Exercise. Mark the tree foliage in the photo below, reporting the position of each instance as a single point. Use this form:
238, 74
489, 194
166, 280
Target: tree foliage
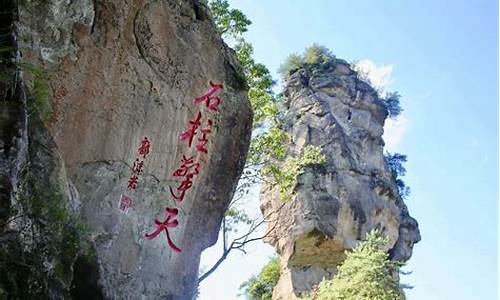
260, 83
395, 163
366, 274
318, 55
260, 287
314, 56
391, 102
231, 22
292, 63
268, 145
37, 83
286, 173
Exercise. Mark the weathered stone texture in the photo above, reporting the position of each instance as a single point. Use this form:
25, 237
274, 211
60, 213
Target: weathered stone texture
119, 71
338, 203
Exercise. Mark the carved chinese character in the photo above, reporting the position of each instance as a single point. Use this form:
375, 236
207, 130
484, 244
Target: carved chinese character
202, 141
211, 100
144, 147
132, 182
170, 221
190, 133
188, 169
186, 165
186, 184
138, 166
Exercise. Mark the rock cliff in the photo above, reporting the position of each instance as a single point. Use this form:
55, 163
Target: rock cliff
337, 203
116, 71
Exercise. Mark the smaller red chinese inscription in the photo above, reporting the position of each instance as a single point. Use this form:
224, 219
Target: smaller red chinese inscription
132, 182
138, 166
144, 147
125, 204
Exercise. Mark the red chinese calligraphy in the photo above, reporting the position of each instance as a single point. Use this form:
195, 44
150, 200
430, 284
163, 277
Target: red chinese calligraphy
185, 185
190, 133
138, 166
200, 147
188, 170
186, 165
170, 221
132, 182
144, 147
211, 100
125, 203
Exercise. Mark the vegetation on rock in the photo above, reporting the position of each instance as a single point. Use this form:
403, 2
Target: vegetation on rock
53, 237
391, 101
268, 158
39, 100
395, 163
314, 56
286, 174
267, 154
366, 274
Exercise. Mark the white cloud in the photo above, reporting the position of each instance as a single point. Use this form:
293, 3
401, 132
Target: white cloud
394, 131
378, 75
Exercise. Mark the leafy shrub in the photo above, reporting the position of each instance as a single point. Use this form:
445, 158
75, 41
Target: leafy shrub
366, 274
292, 63
285, 175
314, 55
395, 163
268, 146
232, 22
261, 287
391, 102
318, 55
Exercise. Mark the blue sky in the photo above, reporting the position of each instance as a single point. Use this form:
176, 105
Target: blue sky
442, 56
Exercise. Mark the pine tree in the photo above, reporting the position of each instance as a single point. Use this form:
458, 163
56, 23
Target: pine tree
366, 274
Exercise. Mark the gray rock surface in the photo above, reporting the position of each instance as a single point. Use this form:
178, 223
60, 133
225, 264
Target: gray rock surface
119, 71
336, 204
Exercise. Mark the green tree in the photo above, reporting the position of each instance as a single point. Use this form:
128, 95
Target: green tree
229, 22
260, 84
316, 56
292, 63
395, 163
392, 104
366, 274
269, 140
260, 287
286, 173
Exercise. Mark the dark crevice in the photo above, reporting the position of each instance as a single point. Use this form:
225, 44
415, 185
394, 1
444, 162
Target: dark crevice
198, 11
85, 284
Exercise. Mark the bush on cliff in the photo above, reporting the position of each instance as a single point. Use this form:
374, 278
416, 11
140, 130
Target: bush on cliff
366, 274
315, 55
261, 287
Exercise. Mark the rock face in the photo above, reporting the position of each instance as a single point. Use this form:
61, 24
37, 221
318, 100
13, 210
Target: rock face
118, 71
337, 203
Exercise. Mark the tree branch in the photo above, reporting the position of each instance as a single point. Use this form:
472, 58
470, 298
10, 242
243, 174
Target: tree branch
237, 244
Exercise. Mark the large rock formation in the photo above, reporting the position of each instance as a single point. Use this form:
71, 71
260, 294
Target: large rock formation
118, 71
337, 203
